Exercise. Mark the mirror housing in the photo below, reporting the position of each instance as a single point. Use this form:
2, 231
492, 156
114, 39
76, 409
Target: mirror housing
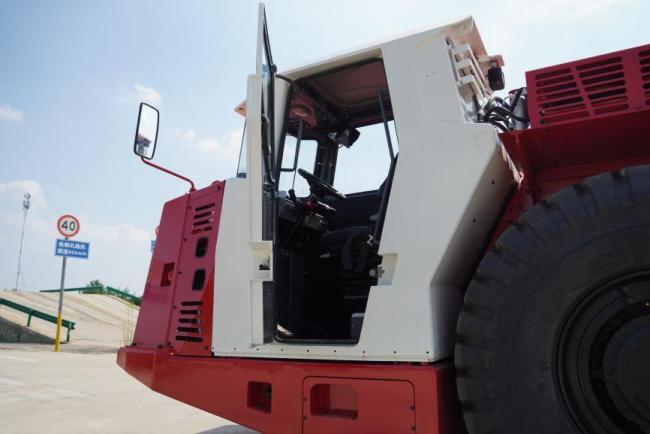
346, 137
146, 133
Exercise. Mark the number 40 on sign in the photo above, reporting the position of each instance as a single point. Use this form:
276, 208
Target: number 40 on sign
68, 225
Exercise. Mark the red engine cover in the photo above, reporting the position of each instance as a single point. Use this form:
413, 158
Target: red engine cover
617, 82
178, 295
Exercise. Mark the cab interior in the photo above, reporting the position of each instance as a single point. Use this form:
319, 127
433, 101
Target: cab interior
338, 154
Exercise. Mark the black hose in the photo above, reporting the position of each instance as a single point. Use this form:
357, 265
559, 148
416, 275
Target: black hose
506, 112
515, 99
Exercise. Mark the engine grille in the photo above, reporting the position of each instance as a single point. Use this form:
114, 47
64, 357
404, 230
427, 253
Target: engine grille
588, 88
644, 61
202, 218
189, 326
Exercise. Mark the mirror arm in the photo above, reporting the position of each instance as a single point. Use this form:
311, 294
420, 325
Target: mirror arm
192, 188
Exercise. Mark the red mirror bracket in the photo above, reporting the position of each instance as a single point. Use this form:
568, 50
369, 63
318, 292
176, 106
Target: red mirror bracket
192, 188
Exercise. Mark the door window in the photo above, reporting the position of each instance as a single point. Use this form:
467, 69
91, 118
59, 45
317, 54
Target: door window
306, 159
364, 165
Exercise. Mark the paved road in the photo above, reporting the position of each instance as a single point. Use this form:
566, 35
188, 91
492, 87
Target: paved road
78, 391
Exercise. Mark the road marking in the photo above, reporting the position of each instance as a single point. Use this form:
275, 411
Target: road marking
20, 359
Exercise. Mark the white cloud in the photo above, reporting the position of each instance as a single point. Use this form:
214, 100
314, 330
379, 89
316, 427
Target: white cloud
141, 93
570, 8
119, 253
14, 191
184, 135
121, 232
8, 113
227, 148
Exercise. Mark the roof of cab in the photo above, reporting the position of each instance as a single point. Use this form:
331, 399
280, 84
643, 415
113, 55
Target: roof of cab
461, 30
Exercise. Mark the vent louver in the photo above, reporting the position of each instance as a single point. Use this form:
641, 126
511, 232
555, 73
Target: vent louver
644, 60
574, 93
589, 88
189, 326
203, 218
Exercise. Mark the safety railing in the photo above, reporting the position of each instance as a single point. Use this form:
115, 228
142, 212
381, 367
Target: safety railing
69, 325
124, 295
82, 289
102, 290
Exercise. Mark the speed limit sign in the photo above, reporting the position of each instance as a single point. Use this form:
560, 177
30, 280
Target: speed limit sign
68, 225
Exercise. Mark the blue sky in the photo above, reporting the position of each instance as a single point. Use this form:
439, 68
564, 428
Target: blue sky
72, 74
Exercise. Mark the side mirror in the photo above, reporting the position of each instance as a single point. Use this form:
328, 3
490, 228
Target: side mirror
146, 133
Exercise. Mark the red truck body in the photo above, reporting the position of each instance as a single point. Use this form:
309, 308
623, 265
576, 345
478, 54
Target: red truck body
587, 117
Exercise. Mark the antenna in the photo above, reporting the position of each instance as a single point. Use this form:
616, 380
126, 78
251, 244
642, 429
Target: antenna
26, 204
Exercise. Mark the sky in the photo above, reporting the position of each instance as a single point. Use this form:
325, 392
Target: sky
73, 72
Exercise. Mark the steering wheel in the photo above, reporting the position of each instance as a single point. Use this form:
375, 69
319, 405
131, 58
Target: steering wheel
319, 187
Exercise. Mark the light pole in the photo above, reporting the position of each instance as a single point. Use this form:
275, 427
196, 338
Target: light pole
26, 204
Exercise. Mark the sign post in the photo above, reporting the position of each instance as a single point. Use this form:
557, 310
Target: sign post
59, 318
68, 226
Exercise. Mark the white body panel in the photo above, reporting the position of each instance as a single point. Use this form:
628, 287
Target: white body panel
449, 186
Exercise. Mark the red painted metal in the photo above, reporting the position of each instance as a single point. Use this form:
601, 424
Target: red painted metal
170, 172
391, 398
595, 87
588, 117
171, 354
554, 157
352, 405
177, 302
585, 121
153, 320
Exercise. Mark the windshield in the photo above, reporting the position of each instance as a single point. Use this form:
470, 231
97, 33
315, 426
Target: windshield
364, 165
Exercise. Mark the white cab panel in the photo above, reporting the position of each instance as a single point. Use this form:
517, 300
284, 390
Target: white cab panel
450, 184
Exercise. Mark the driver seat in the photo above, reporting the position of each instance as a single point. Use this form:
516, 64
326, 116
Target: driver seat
353, 242
357, 245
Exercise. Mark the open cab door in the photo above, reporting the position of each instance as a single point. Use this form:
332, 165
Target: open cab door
243, 305
260, 161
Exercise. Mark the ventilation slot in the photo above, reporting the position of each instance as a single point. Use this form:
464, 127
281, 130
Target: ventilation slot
203, 218
587, 89
189, 322
644, 60
559, 97
604, 84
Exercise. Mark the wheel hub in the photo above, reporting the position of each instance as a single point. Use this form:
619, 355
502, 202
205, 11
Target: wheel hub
604, 358
626, 366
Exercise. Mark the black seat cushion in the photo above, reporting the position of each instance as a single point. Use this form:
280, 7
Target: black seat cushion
335, 240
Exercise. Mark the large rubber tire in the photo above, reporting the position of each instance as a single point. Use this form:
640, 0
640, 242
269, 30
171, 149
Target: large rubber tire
554, 334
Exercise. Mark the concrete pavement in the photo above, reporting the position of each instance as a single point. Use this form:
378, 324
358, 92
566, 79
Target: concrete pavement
79, 391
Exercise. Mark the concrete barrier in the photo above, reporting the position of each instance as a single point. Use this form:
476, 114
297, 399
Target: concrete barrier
11, 332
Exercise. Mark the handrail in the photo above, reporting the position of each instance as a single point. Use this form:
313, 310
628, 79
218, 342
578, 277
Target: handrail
125, 295
103, 290
70, 325
85, 288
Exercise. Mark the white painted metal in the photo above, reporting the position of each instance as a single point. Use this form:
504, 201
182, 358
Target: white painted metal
450, 183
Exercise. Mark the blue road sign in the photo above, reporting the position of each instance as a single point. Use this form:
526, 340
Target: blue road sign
153, 245
72, 249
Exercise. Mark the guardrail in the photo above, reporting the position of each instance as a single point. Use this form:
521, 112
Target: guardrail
124, 295
69, 325
85, 288
101, 290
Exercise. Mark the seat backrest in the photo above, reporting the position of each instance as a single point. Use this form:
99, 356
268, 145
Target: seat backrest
384, 190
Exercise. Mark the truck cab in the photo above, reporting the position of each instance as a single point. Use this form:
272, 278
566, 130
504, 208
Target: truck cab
399, 240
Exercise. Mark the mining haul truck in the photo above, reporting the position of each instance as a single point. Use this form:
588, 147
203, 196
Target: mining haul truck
403, 251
